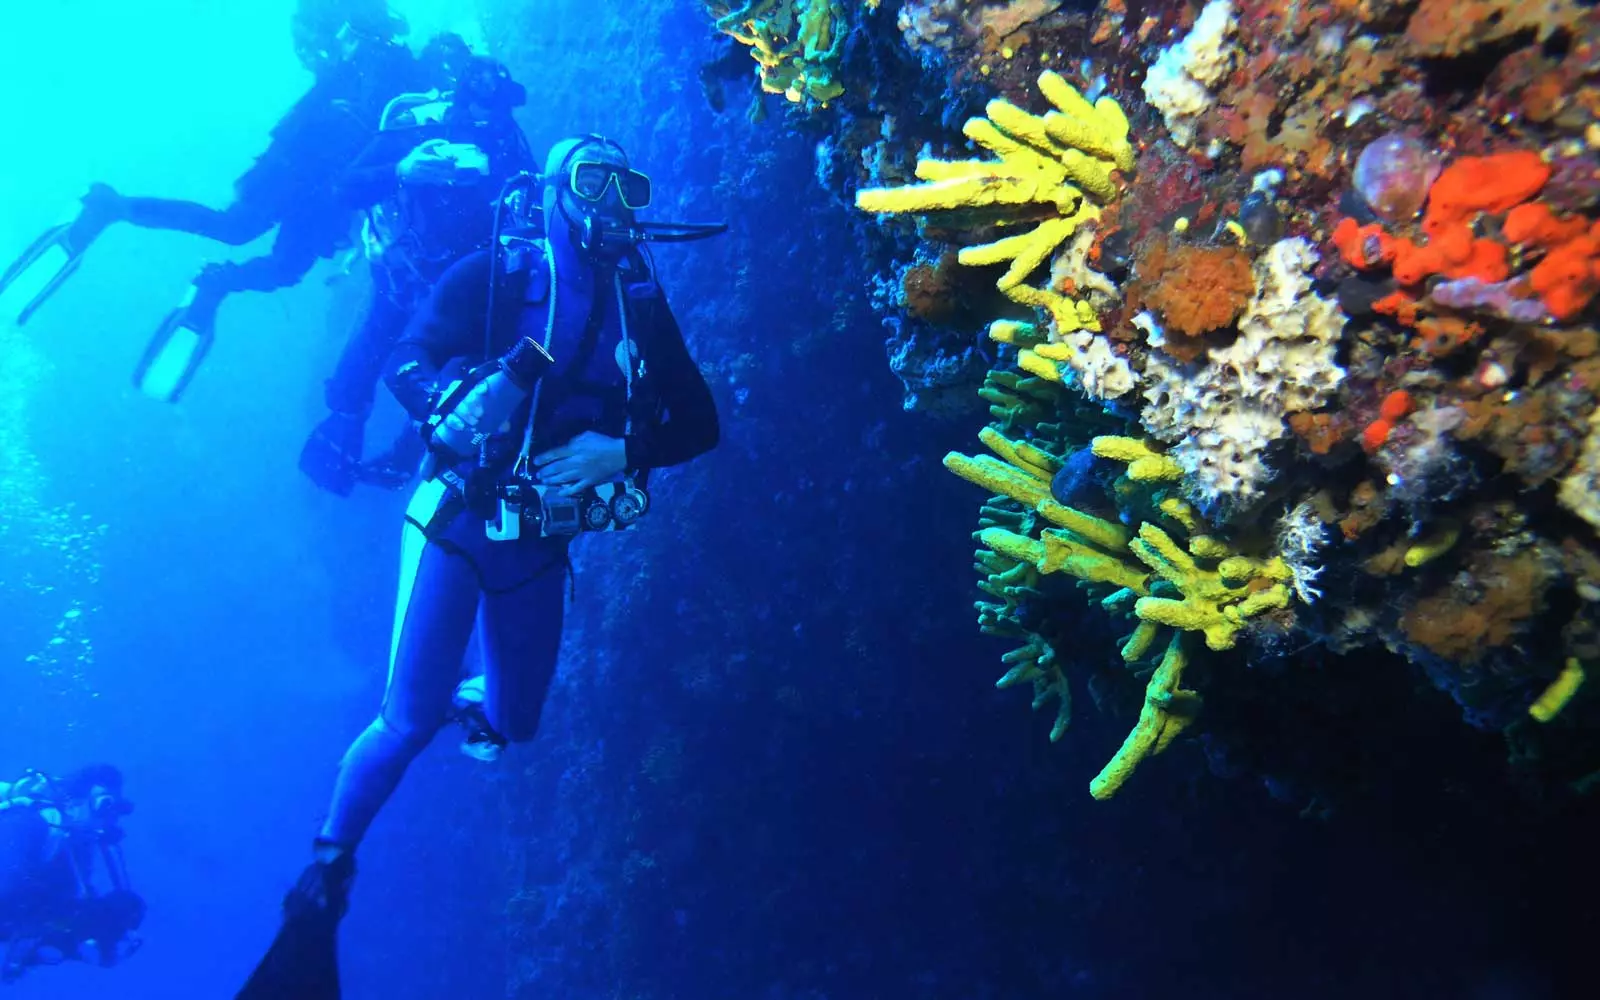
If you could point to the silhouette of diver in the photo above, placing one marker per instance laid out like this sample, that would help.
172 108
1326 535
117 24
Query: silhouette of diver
351 47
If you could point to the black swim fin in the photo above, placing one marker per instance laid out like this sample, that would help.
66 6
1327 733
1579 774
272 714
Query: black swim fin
50 260
303 961
173 356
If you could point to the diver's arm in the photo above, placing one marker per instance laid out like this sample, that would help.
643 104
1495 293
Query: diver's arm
449 324
688 425
372 176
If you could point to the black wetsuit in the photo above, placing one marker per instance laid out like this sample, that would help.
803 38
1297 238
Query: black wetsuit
48 906
512 591
434 226
292 185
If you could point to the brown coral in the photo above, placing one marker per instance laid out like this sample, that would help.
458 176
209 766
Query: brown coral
1479 610
1451 27
1196 288
1365 511
1535 432
927 293
1321 432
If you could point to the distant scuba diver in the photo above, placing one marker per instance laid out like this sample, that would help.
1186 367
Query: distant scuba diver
64 891
351 47
581 384
429 182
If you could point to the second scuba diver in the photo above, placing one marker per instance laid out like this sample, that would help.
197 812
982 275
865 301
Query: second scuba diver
351 46
429 182
581 384
64 891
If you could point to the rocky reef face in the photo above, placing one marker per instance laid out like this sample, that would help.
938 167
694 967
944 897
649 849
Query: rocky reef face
1333 267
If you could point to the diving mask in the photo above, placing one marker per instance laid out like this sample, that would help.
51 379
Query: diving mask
590 179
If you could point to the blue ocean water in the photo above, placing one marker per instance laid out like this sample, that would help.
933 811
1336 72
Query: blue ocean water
774 765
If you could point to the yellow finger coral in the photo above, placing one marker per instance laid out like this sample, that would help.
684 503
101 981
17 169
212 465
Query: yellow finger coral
797 43
1054 163
1168 710
1555 697
1216 602
1201 584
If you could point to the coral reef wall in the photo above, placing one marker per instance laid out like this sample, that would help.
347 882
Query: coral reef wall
1333 314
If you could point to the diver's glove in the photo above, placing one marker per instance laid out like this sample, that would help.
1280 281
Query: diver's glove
332 454
394 468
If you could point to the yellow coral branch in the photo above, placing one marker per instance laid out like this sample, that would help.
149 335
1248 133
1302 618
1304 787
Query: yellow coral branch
1100 129
1555 697
1059 160
1217 603
1168 709
1145 464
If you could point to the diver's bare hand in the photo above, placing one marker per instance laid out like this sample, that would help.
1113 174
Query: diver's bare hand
582 463
427 164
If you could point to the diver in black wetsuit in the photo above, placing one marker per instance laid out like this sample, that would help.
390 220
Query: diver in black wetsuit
64 890
350 45
429 181
580 385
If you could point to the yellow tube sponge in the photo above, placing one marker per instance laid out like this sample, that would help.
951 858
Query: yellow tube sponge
797 43
999 477
1025 456
1059 551
1099 129
1433 545
1216 602
1555 697
1145 464
1041 165
1168 710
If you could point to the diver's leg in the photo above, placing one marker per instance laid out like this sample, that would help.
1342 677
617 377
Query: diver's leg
434 619
434 612
235 225
519 635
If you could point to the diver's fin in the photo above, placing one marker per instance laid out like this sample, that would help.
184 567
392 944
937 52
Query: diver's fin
303 961
50 260
177 348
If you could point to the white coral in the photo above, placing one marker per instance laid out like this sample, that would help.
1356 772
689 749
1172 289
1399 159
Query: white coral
1101 371
1224 413
1288 336
1301 536
1580 488
1178 83
1071 269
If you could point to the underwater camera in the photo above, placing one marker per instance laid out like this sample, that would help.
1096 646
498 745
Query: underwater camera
615 506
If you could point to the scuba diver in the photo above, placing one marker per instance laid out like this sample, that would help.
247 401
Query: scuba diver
55 835
579 385
351 47
429 182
